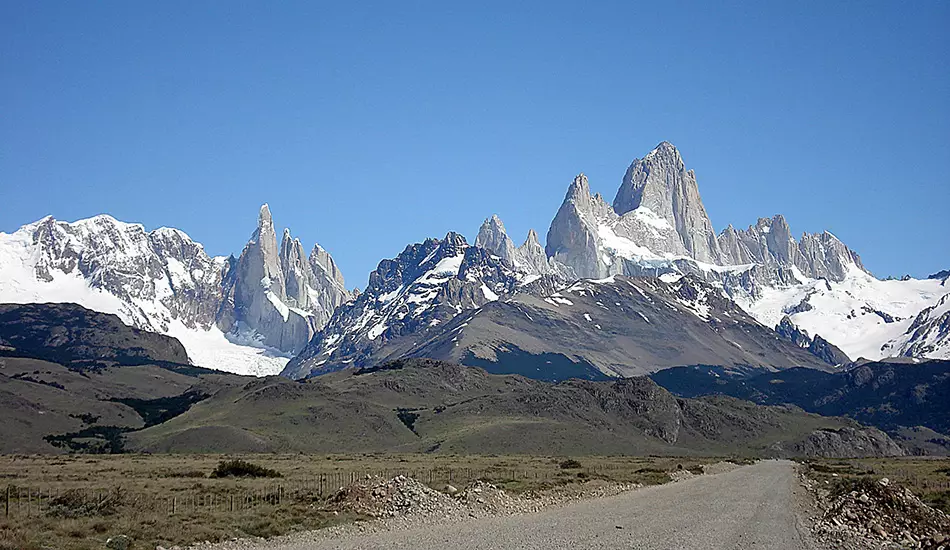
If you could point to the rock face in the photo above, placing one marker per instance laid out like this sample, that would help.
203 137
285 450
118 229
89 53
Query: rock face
658 222
163 281
657 225
529 258
845 443
279 296
50 260
928 335
661 189
818 346
770 243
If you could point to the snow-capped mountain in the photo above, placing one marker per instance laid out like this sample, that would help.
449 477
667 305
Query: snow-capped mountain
449 300
408 299
163 281
252 313
658 225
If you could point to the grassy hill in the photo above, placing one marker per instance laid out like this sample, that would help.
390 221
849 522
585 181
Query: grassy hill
432 406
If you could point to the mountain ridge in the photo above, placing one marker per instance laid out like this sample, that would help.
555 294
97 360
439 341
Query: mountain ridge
273 301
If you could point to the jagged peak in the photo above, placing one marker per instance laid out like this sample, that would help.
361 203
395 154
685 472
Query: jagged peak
664 149
493 223
264 216
579 188
829 235
532 239
453 239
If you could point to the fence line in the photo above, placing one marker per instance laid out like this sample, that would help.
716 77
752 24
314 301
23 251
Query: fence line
214 496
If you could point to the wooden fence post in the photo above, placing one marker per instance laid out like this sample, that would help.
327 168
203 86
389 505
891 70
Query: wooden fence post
7 511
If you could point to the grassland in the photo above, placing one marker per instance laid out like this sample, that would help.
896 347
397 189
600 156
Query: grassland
79 501
928 478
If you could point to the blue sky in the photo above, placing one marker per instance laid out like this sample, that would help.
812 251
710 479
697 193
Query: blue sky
369 127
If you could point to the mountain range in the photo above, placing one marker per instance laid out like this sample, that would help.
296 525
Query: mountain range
629 287
76 380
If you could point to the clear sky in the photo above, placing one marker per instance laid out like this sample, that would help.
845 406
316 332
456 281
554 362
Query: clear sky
370 127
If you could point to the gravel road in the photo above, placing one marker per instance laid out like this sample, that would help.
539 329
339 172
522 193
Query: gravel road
751 507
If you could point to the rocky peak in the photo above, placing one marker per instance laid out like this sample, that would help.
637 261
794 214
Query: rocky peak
321 261
648 181
422 288
280 297
660 184
493 237
261 257
532 240
572 239
298 275
579 190
770 243
453 244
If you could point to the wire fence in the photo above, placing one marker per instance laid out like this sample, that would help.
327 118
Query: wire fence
227 494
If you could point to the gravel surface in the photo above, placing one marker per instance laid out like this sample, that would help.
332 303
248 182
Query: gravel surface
754 506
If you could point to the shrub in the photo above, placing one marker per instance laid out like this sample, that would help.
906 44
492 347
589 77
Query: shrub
76 503
570 464
240 468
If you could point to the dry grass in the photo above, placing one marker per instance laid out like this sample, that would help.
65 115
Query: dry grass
80 501
928 478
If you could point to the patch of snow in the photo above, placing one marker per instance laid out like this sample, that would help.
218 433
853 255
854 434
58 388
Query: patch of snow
489 295
651 218
528 279
280 306
376 331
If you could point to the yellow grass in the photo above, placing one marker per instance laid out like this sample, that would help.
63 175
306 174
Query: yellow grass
79 501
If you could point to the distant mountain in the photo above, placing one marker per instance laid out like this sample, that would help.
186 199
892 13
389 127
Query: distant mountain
252 313
423 405
657 225
460 303
163 281
409 299
889 395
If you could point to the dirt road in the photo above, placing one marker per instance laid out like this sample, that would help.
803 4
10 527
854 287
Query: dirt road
750 507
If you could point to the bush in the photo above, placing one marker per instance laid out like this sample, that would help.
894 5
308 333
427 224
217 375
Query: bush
240 468
76 503
570 464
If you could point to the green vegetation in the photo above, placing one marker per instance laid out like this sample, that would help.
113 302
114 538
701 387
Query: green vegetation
156 411
241 468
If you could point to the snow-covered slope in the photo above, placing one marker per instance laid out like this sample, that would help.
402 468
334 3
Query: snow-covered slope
161 281
864 316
